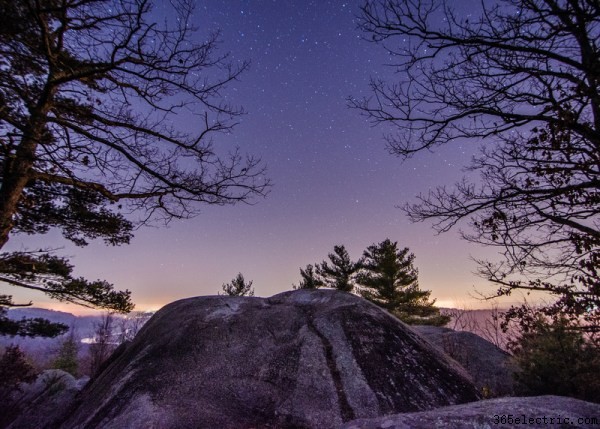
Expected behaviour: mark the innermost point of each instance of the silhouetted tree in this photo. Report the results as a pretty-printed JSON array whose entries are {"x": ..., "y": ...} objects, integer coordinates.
[
  {"x": 88, "y": 93},
  {"x": 238, "y": 287},
  {"x": 14, "y": 369},
  {"x": 554, "y": 359},
  {"x": 27, "y": 327},
  {"x": 51, "y": 275},
  {"x": 103, "y": 343},
  {"x": 310, "y": 279},
  {"x": 388, "y": 278},
  {"x": 338, "y": 275},
  {"x": 523, "y": 77}
]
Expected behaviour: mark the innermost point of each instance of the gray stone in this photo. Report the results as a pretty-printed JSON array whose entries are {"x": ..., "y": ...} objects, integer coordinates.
[
  {"x": 46, "y": 401},
  {"x": 541, "y": 412},
  {"x": 489, "y": 366},
  {"x": 302, "y": 359}
]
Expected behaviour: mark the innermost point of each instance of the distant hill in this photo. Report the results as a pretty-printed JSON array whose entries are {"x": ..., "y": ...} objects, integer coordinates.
[
  {"x": 83, "y": 325},
  {"x": 42, "y": 350}
]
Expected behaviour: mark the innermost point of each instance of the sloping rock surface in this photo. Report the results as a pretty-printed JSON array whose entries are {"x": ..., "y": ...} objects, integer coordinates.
[
  {"x": 45, "y": 402},
  {"x": 489, "y": 366},
  {"x": 301, "y": 359},
  {"x": 541, "y": 412}
]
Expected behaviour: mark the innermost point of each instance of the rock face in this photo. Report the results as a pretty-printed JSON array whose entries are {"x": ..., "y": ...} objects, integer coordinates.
[
  {"x": 301, "y": 359},
  {"x": 540, "y": 412},
  {"x": 46, "y": 401},
  {"x": 489, "y": 366}
]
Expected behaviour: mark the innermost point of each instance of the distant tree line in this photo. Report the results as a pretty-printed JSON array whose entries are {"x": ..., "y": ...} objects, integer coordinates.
[{"x": 384, "y": 275}]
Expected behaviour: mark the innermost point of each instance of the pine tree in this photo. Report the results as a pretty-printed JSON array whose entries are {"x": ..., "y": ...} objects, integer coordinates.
[
  {"x": 68, "y": 355},
  {"x": 238, "y": 287},
  {"x": 89, "y": 91},
  {"x": 14, "y": 370},
  {"x": 339, "y": 275},
  {"x": 28, "y": 327},
  {"x": 388, "y": 278},
  {"x": 554, "y": 357},
  {"x": 52, "y": 275},
  {"x": 310, "y": 279}
]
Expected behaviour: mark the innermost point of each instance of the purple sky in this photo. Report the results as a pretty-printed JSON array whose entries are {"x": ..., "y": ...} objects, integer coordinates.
[{"x": 334, "y": 182}]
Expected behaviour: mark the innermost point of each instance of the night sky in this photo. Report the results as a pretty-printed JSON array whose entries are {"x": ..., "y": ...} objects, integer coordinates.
[{"x": 334, "y": 182}]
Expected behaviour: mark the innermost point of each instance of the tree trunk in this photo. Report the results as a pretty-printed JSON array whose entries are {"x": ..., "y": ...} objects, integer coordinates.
[
  {"x": 17, "y": 168},
  {"x": 15, "y": 177}
]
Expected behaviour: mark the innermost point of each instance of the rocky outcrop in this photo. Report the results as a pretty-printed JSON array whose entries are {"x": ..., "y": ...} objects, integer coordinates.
[
  {"x": 46, "y": 401},
  {"x": 302, "y": 359},
  {"x": 489, "y": 366},
  {"x": 541, "y": 412}
]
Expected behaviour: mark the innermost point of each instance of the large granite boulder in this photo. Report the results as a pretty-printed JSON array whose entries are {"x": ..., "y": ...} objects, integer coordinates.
[
  {"x": 46, "y": 401},
  {"x": 540, "y": 412},
  {"x": 301, "y": 359},
  {"x": 490, "y": 367}
]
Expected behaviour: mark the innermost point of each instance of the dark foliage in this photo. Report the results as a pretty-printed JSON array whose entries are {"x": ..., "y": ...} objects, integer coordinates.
[
  {"x": 238, "y": 287},
  {"x": 389, "y": 279},
  {"x": 523, "y": 77},
  {"x": 51, "y": 275},
  {"x": 71, "y": 143},
  {"x": 81, "y": 214},
  {"x": 68, "y": 355},
  {"x": 14, "y": 369},
  {"x": 29, "y": 327},
  {"x": 87, "y": 92},
  {"x": 310, "y": 278},
  {"x": 555, "y": 359},
  {"x": 338, "y": 273}
]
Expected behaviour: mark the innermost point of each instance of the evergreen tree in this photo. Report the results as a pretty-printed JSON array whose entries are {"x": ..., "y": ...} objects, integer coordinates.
[
  {"x": 14, "y": 369},
  {"x": 28, "y": 327},
  {"x": 76, "y": 156},
  {"x": 310, "y": 279},
  {"x": 339, "y": 275},
  {"x": 388, "y": 278},
  {"x": 554, "y": 358},
  {"x": 238, "y": 287},
  {"x": 68, "y": 355},
  {"x": 52, "y": 275}
]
